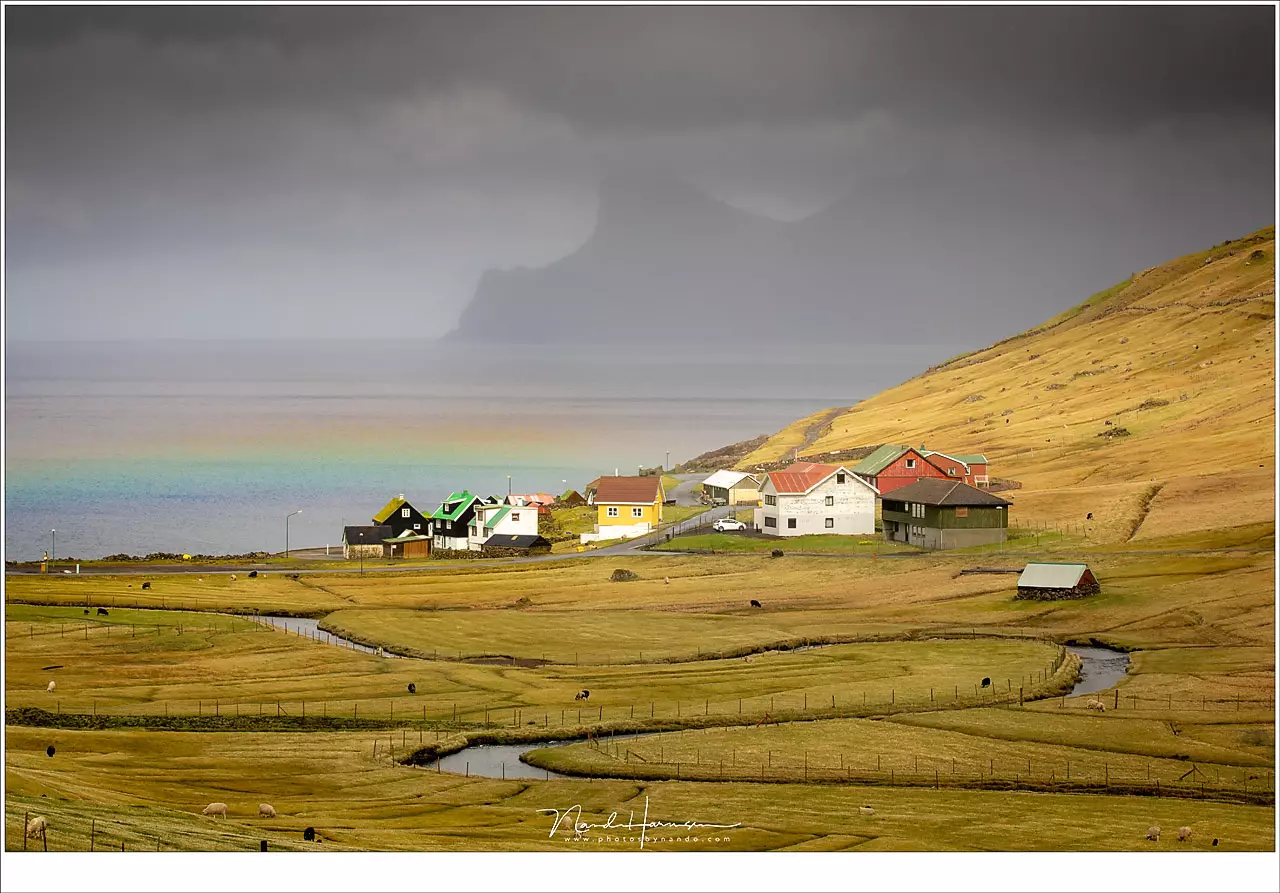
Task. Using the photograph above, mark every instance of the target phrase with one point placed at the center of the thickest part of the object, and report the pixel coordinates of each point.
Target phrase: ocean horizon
(205, 447)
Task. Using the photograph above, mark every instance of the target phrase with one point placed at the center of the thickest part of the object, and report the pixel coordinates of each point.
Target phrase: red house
(891, 467)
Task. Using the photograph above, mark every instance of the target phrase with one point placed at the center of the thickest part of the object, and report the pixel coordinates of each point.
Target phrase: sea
(207, 447)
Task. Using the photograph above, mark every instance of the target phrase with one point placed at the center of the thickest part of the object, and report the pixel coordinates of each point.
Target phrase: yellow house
(626, 507)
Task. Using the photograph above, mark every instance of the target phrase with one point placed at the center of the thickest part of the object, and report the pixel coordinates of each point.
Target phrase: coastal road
(683, 492)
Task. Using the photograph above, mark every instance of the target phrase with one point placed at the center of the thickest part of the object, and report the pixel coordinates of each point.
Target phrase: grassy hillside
(1180, 356)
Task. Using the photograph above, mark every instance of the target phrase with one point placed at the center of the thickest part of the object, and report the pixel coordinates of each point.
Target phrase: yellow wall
(649, 513)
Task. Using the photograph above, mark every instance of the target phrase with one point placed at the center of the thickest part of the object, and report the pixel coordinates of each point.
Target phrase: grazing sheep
(146, 585)
(1094, 704)
(1089, 516)
(233, 578)
(866, 810)
(102, 612)
(582, 695)
(666, 580)
(1184, 833)
(86, 610)
(986, 682)
(216, 809)
(53, 686)
(754, 603)
(266, 811)
(413, 689)
(748, 658)
(50, 750)
(37, 826)
(1153, 833)
(309, 833)
(1215, 841)
(253, 574)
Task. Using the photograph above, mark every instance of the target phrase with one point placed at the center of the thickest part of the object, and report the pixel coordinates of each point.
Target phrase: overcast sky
(278, 172)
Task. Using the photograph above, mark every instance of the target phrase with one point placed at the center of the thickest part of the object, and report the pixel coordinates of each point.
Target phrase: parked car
(728, 524)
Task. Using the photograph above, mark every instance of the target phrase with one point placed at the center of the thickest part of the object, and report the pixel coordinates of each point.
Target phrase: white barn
(808, 498)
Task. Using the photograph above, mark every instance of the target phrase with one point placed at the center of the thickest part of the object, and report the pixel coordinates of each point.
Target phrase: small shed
(732, 488)
(1053, 581)
(366, 540)
(571, 498)
(409, 545)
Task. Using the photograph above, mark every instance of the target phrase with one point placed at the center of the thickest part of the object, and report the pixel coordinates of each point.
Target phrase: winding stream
(310, 629)
(1101, 668)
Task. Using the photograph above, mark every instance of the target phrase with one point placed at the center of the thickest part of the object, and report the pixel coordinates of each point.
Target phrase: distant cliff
(914, 259)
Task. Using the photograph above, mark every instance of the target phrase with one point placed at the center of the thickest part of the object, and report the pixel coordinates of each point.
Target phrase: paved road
(628, 547)
(683, 493)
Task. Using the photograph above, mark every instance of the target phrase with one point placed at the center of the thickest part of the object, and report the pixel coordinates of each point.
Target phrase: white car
(728, 524)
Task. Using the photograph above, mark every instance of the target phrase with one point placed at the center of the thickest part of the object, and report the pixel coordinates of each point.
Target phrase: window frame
(611, 511)
(831, 500)
(791, 524)
(830, 523)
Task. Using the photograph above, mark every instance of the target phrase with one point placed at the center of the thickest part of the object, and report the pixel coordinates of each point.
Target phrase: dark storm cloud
(170, 158)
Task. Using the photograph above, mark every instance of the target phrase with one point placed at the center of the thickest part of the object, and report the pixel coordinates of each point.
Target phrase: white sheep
(866, 810)
(37, 826)
(216, 809)
(1153, 833)
(53, 686)
(266, 811)
(1094, 704)
(233, 578)
(1184, 833)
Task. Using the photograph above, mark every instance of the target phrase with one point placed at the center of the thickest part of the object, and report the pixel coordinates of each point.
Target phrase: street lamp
(362, 553)
(508, 485)
(286, 530)
(53, 546)
(668, 462)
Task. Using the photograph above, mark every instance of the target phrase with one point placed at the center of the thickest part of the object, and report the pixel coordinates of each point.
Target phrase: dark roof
(517, 540)
(628, 489)
(935, 491)
(372, 535)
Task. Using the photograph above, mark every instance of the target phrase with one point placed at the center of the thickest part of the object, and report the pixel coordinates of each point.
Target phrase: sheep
(309, 833)
(582, 695)
(866, 810)
(37, 826)
(413, 689)
(53, 686)
(666, 580)
(748, 658)
(146, 585)
(1089, 516)
(216, 809)
(1215, 841)
(1094, 704)
(253, 574)
(86, 610)
(266, 811)
(233, 578)
(50, 750)
(1153, 833)
(102, 612)
(986, 682)
(754, 603)
(1184, 833)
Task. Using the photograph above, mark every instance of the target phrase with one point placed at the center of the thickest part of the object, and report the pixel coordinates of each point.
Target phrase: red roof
(801, 477)
(629, 489)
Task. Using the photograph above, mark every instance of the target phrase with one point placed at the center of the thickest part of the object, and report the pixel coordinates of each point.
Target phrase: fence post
(25, 819)
(93, 832)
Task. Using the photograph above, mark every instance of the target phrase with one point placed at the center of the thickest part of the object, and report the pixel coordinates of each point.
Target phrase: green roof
(970, 458)
(389, 509)
(462, 499)
(501, 513)
(879, 460)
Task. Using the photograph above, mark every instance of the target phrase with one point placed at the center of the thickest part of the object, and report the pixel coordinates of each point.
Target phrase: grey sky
(275, 172)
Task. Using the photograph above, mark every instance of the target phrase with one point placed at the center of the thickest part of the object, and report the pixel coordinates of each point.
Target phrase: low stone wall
(1031, 593)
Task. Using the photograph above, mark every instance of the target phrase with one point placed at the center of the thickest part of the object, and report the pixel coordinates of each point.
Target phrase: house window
(637, 512)
(911, 463)
(611, 511)
(417, 527)
(404, 513)
(515, 516)
(839, 478)
(771, 500)
(791, 523)
(770, 522)
(951, 471)
(831, 522)
(962, 512)
(831, 500)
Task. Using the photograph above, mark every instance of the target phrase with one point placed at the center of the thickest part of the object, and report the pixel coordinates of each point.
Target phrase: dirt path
(820, 427)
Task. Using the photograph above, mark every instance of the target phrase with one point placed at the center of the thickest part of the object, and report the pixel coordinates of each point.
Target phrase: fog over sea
(206, 446)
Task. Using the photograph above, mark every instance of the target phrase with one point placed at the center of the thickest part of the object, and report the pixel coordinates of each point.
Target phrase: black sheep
(146, 585)
(49, 750)
(754, 603)
(582, 695)
(86, 610)
(253, 573)
(413, 689)
(986, 681)
(309, 834)
(103, 612)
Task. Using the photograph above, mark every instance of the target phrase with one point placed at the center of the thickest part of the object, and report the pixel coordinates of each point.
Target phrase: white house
(808, 498)
(514, 520)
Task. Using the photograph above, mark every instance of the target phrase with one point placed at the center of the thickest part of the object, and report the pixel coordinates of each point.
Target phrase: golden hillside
(1181, 357)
